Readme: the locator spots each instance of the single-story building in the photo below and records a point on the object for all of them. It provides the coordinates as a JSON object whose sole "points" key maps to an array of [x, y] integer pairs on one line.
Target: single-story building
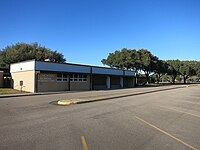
{"points": [[38, 76]]}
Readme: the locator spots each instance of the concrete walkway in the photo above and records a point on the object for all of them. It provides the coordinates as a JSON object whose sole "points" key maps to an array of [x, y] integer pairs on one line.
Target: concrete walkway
{"points": [[88, 96], [112, 94]]}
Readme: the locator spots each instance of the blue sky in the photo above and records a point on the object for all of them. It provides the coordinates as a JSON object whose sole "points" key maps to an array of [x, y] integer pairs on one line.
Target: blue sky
{"points": [[86, 31]]}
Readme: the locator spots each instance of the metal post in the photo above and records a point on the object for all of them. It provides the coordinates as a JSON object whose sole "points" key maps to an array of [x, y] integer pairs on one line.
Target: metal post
{"points": [[122, 82], [108, 82]]}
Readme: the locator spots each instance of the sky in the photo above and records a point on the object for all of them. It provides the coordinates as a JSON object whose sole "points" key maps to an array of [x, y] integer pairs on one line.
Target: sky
{"points": [[86, 31]]}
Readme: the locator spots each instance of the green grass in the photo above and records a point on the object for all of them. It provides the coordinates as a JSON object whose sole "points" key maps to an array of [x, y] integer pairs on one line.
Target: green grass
{"points": [[9, 91]]}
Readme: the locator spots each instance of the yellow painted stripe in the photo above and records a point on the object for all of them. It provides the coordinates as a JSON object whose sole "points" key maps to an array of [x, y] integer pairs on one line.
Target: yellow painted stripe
{"points": [[182, 112], [164, 132], [85, 147]]}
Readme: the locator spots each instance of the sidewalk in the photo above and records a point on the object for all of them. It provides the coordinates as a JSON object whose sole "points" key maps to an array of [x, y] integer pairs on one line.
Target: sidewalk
{"points": [[87, 96], [112, 94], [35, 94]]}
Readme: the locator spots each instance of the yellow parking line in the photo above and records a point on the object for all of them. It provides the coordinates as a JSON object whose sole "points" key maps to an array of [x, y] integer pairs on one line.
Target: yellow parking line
{"points": [[85, 147], [164, 132], [182, 112]]}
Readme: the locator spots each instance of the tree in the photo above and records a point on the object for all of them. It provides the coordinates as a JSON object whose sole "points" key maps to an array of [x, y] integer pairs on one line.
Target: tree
{"points": [[110, 61], [143, 61], [131, 59], [121, 59], [161, 69], [196, 66], [22, 51], [147, 61], [173, 69], [187, 69], [198, 70]]}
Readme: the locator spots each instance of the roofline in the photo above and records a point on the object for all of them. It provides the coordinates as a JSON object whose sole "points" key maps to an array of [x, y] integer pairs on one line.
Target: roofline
{"points": [[23, 61], [73, 64], [83, 65], [83, 73]]}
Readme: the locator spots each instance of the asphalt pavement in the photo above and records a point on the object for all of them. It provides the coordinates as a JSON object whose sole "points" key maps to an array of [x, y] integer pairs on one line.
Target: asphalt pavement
{"points": [[162, 120]]}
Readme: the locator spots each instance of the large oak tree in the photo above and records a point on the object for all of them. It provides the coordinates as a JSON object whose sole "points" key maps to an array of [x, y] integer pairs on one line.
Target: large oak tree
{"points": [[144, 61], [22, 51]]}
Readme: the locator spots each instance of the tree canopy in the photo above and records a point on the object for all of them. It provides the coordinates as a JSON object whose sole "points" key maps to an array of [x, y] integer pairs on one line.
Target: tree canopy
{"points": [[131, 59], [143, 60], [173, 69], [187, 69], [22, 51]]}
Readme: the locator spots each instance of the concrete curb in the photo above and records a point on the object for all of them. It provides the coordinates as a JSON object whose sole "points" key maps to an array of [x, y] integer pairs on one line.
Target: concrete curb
{"points": [[35, 94], [66, 103], [121, 96], [49, 93], [18, 95]]}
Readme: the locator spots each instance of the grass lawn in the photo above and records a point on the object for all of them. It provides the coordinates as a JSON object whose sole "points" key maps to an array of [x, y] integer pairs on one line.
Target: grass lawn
{"points": [[9, 91]]}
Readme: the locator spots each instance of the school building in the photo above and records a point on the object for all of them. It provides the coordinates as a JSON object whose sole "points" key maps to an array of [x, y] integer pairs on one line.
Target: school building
{"points": [[38, 76]]}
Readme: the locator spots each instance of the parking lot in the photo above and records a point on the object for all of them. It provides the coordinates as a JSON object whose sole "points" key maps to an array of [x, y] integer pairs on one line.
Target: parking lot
{"points": [[162, 120]]}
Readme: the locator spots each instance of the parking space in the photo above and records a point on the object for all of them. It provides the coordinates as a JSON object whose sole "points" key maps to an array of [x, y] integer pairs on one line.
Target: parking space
{"points": [[154, 122], [163, 120]]}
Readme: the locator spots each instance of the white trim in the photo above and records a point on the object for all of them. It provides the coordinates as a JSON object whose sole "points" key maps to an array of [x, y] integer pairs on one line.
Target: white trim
{"points": [[78, 77], [23, 66], [68, 68], [62, 78]]}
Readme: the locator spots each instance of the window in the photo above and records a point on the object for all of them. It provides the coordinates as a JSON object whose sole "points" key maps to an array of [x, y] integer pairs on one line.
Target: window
{"points": [[78, 78], [59, 77], [71, 77], [62, 77], [85, 78]]}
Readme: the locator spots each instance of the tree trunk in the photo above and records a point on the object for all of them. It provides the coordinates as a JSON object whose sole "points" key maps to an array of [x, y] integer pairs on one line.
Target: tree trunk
{"points": [[184, 79], [158, 79], [173, 80], [147, 76]]}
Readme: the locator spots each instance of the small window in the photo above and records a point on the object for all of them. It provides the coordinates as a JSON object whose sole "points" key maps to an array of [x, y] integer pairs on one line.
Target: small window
{"points": [[62, 77], [71, 77], [59, 77], [75, 76], [65, 78], [85, 80], [78, 78]]}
